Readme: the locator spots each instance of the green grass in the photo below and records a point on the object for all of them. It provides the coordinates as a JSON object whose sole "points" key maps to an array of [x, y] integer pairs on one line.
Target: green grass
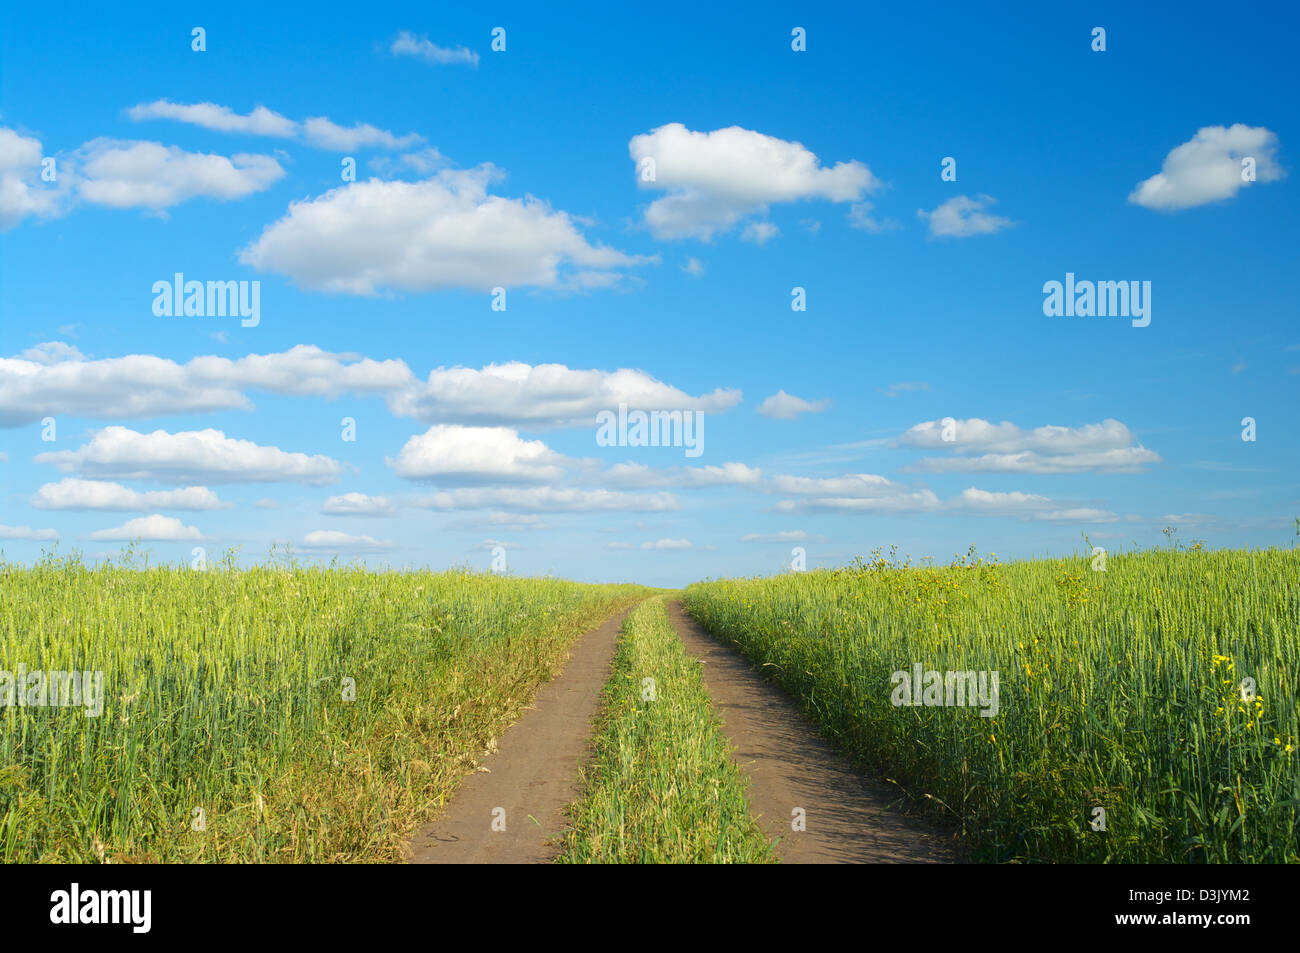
{"points": [[224, 692], [662, 787], [1118, 689]]}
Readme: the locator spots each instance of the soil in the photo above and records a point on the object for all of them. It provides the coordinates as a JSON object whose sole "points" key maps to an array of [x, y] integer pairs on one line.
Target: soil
{"points": [[533, 774], [847, 819]]}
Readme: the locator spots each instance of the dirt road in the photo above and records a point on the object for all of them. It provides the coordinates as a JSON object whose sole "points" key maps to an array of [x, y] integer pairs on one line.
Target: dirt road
{"points": [[534, 773], [791, 767], [508, 814]]}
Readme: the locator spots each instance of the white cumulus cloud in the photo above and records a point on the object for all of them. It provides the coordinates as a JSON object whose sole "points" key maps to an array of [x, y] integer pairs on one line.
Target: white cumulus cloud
{"points": [[122, 174], [442, 232], [53, 379], [1208, 168], [74, 494], [543, 395], [195, 456], [639, 475], [454, 454], [714, 179], [963, 216], [979, 446], [23, 192], [359, 504], [155, 528], [783, 406], [27, 533], [852, 492], [1025, 506]]}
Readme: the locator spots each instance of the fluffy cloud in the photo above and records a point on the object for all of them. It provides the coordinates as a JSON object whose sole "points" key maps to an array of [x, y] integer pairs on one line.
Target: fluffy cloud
{"points": [[54, 379], [196, 456], [783, 406], [153, 528], [983, 447], [27, 533], [963, 216], [22, 191], [304, 370], [325, 540], [452, 454], [1026, 506], [639, 475], [668, 544], [441, 232], [853, 492], [1208, 168], [122, 174], [870, 493], [150, 175], [260, 122], [407, 44], [714, 179], [317, 131], [359, 504], [325, 134], [74, 494], [543, 395]]}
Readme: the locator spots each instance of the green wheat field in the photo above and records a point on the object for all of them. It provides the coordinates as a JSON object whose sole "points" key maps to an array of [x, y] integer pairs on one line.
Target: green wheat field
{"points": [[1148, 710], [1164, 690], [226, 712]]}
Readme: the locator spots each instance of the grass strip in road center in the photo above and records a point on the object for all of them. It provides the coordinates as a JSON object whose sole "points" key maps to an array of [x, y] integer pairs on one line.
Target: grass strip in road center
{"points": [[662, 787]]}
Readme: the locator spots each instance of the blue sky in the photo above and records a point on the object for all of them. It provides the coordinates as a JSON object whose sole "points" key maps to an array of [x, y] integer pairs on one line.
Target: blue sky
{"points": [[775, 169]]}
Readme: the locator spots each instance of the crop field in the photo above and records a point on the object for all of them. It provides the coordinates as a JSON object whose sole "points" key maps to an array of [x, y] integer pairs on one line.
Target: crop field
{"points": [[1141, 710], [1146, 710], [265, 714]]}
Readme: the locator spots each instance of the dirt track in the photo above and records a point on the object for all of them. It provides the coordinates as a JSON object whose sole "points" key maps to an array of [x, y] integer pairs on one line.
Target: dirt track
{"points": [[790, 766], [534, 772]]}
